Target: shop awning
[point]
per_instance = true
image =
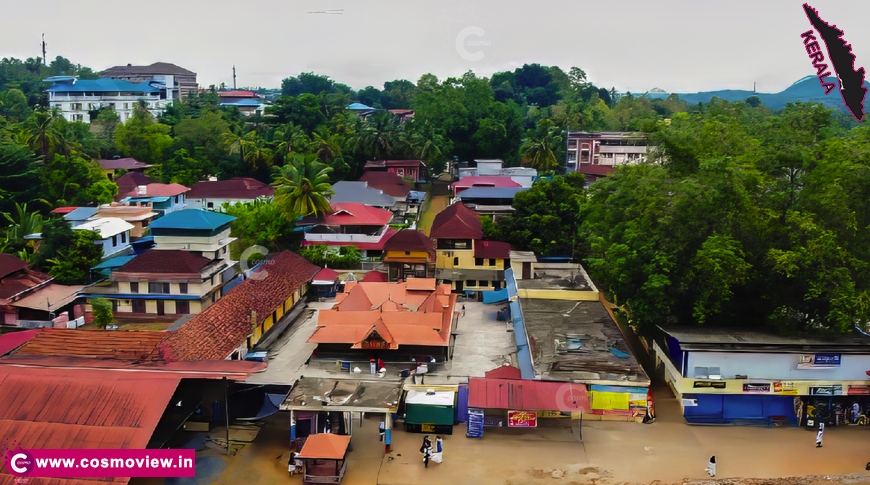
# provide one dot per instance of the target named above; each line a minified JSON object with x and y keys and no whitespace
{"x":527,"y":395}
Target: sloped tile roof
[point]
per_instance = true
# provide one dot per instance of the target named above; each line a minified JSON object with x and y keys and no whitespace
{"x":492,"y":249}
{"x":410,"y":240}
{"x":327,"y":446}
{"x":129,"y":181}
{"x":165,"y":261}
{"x":155,"y":190}
{"x":10,"y":264}
{"x":122,"y":163}
{"x":156,"y":68}
{"x":100,"y":344}
{"x":234,"y":188}
{"x":348,"y":213}
{"x":456,"y":222}
{"x":388,"y":182}
{"x":326,"y":274}
{"x":222,"y":327}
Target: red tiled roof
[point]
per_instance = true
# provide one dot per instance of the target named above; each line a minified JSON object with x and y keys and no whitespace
{"x":156,"y":190}
{"x":351,"y":214}
{"x":163,"y":261}
{"x":224,"y":326}
{"x":456,"y":222}
{"x":375,"y":277}
{"x":596,"y":169}
{"x":492,"y":249}
{"x":101,"y":344}
{"x":122,"y":164}
{"x":504,"y":372}
{"x":10,"y":264}
{"x":485,"y":181}
{"x":19,"y":281}
{"x":197,"y":369}
{"x":50,"y":408}
{"x":63,"y":210}
{"x":326,"y":446}
{"x":237,"y":94}
{"x":527,"y":395}
{"x":411,"y":240}
{"x":326,"y":274}
{"x":234,"y":188}
{"x":388,"y":182}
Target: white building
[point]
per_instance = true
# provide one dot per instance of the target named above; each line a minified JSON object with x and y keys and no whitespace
{"x":77,"y":98}
{"x":114,"y":233}
{"x":606,"y":148}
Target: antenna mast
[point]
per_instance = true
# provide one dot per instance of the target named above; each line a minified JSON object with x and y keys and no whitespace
{"x":43,"y":50}
{"x":234,"y":77}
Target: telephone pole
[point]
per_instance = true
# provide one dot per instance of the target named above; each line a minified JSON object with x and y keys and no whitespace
{"x":234,"y":77}
{"x":43,"y":50}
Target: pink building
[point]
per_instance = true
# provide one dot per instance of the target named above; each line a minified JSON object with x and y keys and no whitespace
{"x":402,"y":168}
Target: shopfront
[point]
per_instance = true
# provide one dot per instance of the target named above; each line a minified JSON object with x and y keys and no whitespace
{"x":739,"y":377}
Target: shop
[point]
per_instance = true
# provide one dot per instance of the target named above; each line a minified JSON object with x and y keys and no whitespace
{"x":736,"y":376}
{"x":619,"y":402}
{"x":430,"y":410}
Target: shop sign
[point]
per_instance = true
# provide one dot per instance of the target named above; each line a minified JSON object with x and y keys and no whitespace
{"x":708,"y":384}
{"x":786,"y":388}
{"x":549,"y":414}
{"x":427,"y":428}
{"x":690,"y":402}
{"x":859,"y":390}
{"x":826,"y":390}
{"x":757,"y":388}
{"x":522,"y":419}
{"x":815,"y":361}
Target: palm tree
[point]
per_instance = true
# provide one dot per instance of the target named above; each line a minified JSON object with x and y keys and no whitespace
{"x":21,"y":223}
{"x":235,"y":144}
{"x":539,"y":149}
{"x":42,"y":134}
{"x":250,"y":147}
{"x":378,"y":136}
{"x":325,"y":145}
{"x":292,"y":138}
{"x":302,"y":187}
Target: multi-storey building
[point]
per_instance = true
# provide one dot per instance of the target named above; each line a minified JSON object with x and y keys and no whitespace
{"x":77,"y":99}
{"x":605,"y":148}
{"x":179,"y":81}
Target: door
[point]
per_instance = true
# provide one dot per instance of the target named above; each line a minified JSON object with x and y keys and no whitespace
{"x":160,"y":307}
{"x":527,"y":271}
{"x":459,"y":285}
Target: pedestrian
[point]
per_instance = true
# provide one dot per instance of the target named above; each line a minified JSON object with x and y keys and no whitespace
{"x":711,"y":467}
{"x":463,"y":310}
{"x":437,"y":453}
{"x":426,"y":450}
{"x":382,"y":430}
{"x":820,"y":434}
{"x":291,"y":465}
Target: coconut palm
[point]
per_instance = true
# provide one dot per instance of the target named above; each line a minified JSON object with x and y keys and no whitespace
{"x":539,"y":149}
{"x":378,"y":137}
{"x":302,"y":187}
{"x":42,"y":133}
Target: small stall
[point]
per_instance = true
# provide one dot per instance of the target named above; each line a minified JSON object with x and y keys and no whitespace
{"x":430,"y":410}
{"x":324,"y":458}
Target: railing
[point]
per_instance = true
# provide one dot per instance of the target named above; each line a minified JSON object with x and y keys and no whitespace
{"x":98,"y":97}
{"x":35,"y":323}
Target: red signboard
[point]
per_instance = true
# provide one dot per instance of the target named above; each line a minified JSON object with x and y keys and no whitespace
{"x":522,"y":419}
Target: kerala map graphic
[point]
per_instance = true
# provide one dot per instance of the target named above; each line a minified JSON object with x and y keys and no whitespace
{"x":840,"y":54}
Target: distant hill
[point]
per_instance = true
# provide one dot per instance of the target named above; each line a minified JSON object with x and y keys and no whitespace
{"x":805,"y":90}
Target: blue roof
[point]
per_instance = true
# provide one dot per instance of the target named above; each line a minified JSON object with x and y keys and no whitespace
{"x":192,"y":219}
{"x":80,"y":214}
{"x":114,"y":262}
{"x":143,"y":240}
{"x":524,"y":354}
{"x":145,"y":199}
{"x":243,"y":102}
{"x":490,"y":192}
{"x":359,"y":106}
{"x":103,"y":85}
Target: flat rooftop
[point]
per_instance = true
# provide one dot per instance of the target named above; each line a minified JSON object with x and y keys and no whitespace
{"x":572,"y":340}
{"x":736,"y":338}
{"x":310,"y":394}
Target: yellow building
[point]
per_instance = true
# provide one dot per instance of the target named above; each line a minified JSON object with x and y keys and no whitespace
{"x":409,"y":253}
{"x":463,"y":258}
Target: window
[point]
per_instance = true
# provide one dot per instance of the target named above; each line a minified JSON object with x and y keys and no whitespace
{"x":455,"y":261}
{"x":176,"y":199}
{"x":484,"y":283}
{"x":138,"y":306}
{"x":114,"y":306}
{"x":214,"y":297}
{"x":126,"y":105}
{"x":123,"y":238}
{"x":210,"y":205}
{"x":114,"y":240}
{"x":492,"y":262}
{"x":400,"y":172}
{"x":76,"y":106}
{"x":112,"y":105}
{"x":182,"y":288}
{"x":470,"y":282}
{"x":182,"y":307}
{"x":572,"y":156}
{"x":78,"y":117}
{"x":158,"y":288}
{"x":134,"y":287}
{"x":407,"y":253}
{"x":478,"y":261}
{"x":460,"y":245}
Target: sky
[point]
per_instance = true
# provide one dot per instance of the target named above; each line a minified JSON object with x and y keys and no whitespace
{"x":681,"y":46}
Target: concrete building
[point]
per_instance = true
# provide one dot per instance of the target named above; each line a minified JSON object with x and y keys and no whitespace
{"x":356,"y":224}
{"x":76,"y":99}
{"x":409,"y":254}
{"x":490,"y":201}
{"x":114,"y":235}
{"x":606,"y":148}
{"x":162,"y":198}
{"x":179,"y":81}
{"x":248,"y":102}
{"x":213,"y":194}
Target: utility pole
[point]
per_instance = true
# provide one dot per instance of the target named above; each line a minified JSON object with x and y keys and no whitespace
{"x":43,"y":50}
{"x":234,"y":78}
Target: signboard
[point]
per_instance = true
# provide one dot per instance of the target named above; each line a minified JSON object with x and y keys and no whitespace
{"x":786,"y":388}
{"x":757,"y":388}
{"x":859,"y":390}
{"x":522,"y":419}
{"x":817,"y":361}
{"x":826,"y":390}
{"x":427,"y":428}
{"x":708,"y":385}
{"x":549,"y":414}
{"x":631,"y":390}
{"x":610,"y":400}
{"x":690,"y":402}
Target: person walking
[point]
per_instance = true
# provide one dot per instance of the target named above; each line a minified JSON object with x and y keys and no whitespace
{"x":381,"y":431}
{"x":426,"y":450}
{"x":463,"y":310}
{"x":291,"y":465}
{"x":820,"y":434}
{"x":711,"y":467}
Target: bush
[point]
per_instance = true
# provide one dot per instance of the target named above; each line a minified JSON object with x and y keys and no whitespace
{"x":102,"y":309}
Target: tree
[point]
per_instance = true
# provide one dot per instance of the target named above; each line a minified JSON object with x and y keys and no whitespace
{"x":102,"y":310}
{"x":260,"y":223}
{"x":142,"y":138}
{"x":204,"y":133}
{"x":21,"y":223}
{"x":19,"y":175}
{"x":184,"y":169}
{"x":42,"y":133}
{"x":302,"y":187}
{"x":75,"y":181}
{"x":540,"y":148}
{"x":73,"y":265}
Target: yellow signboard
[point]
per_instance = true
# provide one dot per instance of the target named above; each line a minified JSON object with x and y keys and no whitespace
{"x":549,"y":414}
{"x":609,"y":400}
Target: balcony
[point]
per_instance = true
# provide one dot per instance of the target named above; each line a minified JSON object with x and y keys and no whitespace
{"x":346,"y":238}
{"x":106,"y":98}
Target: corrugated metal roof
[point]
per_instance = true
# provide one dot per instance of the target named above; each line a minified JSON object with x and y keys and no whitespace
{"x":490,"y":192}
{"x":109,"y":344}
{"x":13,"y":340}
{"x":524,"y":354}
{"x":54,"y":295}
{"x":192,"y":219}
{"x":527,"y":395}
{"x":80,"y":409}
{"x":103,"y":85}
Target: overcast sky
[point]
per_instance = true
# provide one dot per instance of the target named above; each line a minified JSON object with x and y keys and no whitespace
{"x":675,"y":45}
